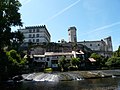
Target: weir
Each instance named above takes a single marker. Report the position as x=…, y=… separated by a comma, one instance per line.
x=52, y=77
x=46, y=77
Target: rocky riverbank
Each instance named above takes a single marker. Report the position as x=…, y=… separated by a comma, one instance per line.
x=98, y=73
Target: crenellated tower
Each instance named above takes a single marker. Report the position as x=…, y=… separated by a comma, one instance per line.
x=72, y=34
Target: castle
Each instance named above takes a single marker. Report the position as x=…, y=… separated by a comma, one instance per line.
x=39, y=34
x=48, y=52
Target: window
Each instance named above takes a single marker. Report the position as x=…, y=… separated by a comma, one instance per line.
x=36, y=58
x=37, y=30
x=90, y=44
x=37, y=40
x=33, y=40
x=30, y=31
x=41, y=58
x=29, y=35
x=48, y=59
x=69, y=33
x=33, y=30
x=37, y=35
x=54, y=61
x=33, y=35
x=29, y=40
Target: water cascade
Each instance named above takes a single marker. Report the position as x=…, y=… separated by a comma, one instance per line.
x=52, y=77
x=46, y=77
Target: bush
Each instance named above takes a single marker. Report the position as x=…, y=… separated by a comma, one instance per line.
x=48, y=70
x=113, y=62
x=73, y=68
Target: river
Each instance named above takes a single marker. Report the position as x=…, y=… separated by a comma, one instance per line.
x=86, y=84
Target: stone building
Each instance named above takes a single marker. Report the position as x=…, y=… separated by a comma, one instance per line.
x=40, y=37
x=48, y=53
x=103, y=46
x=72, y=34
x=36, y=34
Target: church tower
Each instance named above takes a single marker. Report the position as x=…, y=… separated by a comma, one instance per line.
x=72, y=34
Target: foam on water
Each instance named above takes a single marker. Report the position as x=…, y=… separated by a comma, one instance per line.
x=46, y=77
x=53, y=77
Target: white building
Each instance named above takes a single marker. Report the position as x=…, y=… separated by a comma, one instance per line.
x=36, y=34
x=51, y=59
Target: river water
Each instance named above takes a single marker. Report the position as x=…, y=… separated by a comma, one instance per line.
x=86, y=84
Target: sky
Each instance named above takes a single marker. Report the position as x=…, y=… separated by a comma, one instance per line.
x=94, y=19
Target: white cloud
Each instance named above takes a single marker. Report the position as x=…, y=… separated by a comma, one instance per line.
x=62, y=11
x=102, y=28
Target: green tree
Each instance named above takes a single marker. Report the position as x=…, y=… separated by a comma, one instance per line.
x=9, y=16
x=16, y=64
x=11, y=64
x=75, y=64
x=63, y=63
x=98, y=59
x=16, y=40
x=117, y=53
x=3, y=65
x=113, y=62
x=75, y=61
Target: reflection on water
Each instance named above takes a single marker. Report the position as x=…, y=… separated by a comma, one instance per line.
x=88, y=84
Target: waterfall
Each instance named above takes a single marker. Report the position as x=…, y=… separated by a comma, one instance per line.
x=46, y=77
x=29, y=76
x=53, y=77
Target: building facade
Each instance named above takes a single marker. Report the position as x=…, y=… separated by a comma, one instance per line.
x=103, y=46
x=36, y=34
x=51, y=59
x=48, y=53
x=72, y=34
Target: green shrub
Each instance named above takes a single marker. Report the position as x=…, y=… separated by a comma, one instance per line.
x=73, y=68
x=48, y=70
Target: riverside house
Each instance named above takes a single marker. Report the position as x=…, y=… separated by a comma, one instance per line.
x=50, y=59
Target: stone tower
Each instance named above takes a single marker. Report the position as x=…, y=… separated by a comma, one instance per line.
x=72, y=34
x=108, y=42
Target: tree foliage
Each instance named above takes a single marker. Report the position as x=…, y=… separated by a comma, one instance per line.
x=9, y=16
x=16, y=63
x=117, y=53
x=16, y=40
x=11, y=64
x=75, y=61
x=69, y=64
x=64, y=63
x=113, y=62
x=95, y=56
x=98, y=59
